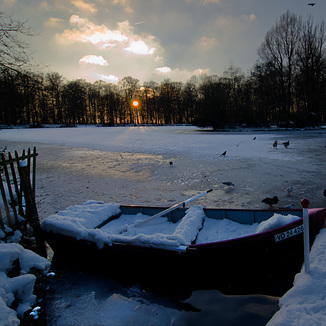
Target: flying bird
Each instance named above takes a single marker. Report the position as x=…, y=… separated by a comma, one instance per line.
x=270, y=201
x=286, y=144
x=275, y=144
x=311, y=4
x=223, y=154
x=228, y=183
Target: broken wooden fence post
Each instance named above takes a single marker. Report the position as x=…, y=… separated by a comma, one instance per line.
x=31, y=210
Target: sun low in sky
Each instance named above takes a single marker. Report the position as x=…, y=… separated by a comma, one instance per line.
x=150, y=40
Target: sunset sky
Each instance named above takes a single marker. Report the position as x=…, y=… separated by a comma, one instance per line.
x=150, y=39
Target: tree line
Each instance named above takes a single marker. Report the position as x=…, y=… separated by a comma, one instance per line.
x=287, y=85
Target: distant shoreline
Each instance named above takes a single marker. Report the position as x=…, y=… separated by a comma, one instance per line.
x=272, y=128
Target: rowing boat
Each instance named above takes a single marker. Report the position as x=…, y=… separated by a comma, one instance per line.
x=196, y=245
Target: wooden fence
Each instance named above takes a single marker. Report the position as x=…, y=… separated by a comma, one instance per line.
x=17, y=187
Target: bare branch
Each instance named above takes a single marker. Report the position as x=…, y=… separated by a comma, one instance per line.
x=13, y=51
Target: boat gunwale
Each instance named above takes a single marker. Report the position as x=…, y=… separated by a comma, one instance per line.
x=210, y=245
x=250, y=237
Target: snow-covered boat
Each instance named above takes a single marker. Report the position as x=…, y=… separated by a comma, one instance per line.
x=187, y=244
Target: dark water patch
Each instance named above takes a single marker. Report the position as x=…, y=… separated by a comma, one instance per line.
x=218, y=309
x=76, y=297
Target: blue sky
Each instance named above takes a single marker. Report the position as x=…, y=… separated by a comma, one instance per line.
x=150, y=39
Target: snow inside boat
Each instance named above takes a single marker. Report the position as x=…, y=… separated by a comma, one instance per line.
x=215, y=242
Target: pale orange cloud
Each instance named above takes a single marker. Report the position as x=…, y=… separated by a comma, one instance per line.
x=87, y=32
x=9, y=3
x=102, y=37
x=53, y=22
x=207, y=42
x=249, y=18
x=85, y=6
x=125, y=4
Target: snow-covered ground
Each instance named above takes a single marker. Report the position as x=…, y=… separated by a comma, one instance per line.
x=131, y=165
x=21, y=287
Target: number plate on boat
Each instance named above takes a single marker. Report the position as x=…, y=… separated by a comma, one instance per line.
x=288, y=234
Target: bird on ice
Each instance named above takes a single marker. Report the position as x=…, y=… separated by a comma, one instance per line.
x=289, y=190
x=286, y=144
x=171, y=163
x=324, y=192
x=228, y=183
x=275, y=144
x=311, y=4
x=223, y=154
x=270, y=201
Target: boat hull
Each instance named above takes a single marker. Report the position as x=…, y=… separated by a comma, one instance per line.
x=260, y=263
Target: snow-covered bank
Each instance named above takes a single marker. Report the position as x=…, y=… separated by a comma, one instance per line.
x=305, y=303
x=19, y=288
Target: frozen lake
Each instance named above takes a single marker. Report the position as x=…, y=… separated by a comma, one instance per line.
x=130, y=165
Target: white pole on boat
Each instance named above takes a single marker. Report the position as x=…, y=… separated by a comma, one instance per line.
x=172, y=208
x=305, y=207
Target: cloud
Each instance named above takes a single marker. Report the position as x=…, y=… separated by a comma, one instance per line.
x=163, y=70
x=131, y=54
x=9, y=3
x=53, y=22
x=125, y=4
x=87, y=32
x=179, y=74
x=103, y=37
x=84, y=6
x=94, y=59
x=140, y=48
x=232, y=22
x=108, y=78
x=207, y=42
x=43, y=5
x=249, y=18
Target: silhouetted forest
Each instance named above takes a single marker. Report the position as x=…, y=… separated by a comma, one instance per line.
x=287, y=86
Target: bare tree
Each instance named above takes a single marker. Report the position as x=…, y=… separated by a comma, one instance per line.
x=13, y=51
x=311, y=84
x=278, y=51
x=53, y=86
